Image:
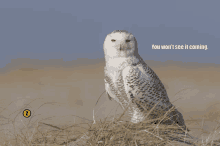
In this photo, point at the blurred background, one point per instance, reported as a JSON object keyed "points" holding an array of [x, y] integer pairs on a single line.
{"points": [[51, 59]]}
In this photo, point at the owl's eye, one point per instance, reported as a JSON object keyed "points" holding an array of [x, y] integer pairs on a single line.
{"points": [[113, 40], [128, 40]]}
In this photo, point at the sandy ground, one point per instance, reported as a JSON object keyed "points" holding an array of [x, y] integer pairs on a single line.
{"points": [[63, 93]]}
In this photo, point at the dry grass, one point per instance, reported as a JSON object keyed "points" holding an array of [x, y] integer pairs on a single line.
{"points": [[106, 132]]}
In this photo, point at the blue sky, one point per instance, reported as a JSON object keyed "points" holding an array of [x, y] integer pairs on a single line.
{"points": [[55, 29]]}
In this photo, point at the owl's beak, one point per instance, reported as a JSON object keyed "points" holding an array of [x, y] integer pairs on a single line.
{"points": [[120, 47]]}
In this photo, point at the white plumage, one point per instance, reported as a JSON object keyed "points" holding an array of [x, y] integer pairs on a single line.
{"points": [[132, 83]]}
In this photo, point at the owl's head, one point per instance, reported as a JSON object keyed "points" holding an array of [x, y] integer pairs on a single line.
{"points": [[120, 43]]}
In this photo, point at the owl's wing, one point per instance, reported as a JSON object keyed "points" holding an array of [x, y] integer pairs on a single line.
{"points": [[109, 97], [107, 90], [143, 87]]}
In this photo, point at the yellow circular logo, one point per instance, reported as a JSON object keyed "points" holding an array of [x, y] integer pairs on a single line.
{"points": [[26, 113]]}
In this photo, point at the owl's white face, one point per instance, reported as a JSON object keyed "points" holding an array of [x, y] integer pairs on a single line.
{"points": [[119, 45]]}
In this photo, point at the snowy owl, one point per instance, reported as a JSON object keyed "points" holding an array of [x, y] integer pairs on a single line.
{"points": [[132, 83]]}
